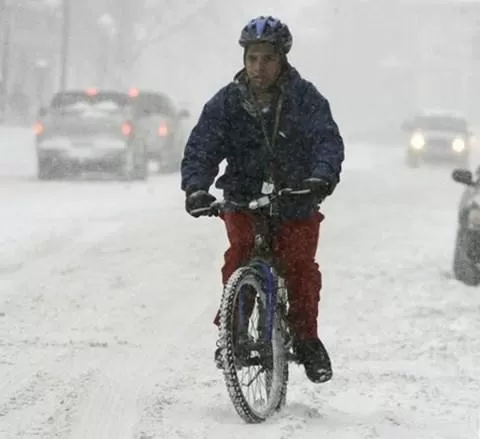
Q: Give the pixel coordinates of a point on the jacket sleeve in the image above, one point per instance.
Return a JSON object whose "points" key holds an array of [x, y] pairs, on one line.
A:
{"points": [[205, 147], [323, 133]]}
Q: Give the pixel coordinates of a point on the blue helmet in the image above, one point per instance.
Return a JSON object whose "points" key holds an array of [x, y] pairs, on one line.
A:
{"points": [[267, 29]]}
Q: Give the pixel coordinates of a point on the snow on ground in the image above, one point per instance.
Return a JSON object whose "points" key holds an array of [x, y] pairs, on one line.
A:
{"points": [[107, 292]]}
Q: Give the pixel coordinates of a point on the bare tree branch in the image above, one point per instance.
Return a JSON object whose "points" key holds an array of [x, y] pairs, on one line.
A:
{"points": [[168, 31]]}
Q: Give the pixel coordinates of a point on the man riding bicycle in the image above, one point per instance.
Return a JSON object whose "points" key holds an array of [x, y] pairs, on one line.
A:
{"points": [[275, 130]]}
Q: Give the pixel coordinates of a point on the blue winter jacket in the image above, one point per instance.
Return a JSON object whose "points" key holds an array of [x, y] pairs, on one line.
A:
{"points": [[308, 144]]}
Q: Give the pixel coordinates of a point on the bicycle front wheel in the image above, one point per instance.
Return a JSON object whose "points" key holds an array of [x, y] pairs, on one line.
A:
{"points": [[253, 346]]}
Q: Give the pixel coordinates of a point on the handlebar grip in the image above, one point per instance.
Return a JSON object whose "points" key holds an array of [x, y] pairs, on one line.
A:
{"points": [[261, 202], [288, 191], [200, 211]]}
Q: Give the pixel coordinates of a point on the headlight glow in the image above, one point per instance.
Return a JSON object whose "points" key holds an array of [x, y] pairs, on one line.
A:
{"points": [[458, 145], [417, 141]]}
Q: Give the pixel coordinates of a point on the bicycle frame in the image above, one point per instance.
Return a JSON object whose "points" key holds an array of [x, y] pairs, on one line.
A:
{"points": [[263, 260], [266, 223], [263, 255]]}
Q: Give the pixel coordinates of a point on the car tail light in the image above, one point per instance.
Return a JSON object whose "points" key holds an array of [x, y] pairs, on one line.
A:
{"points": [[127, 128], [133, 92], [91, 91], [163, 130], [38, 128]]}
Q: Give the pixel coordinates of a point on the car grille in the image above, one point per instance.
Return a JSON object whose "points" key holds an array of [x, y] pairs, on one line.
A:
{"points": [[439, 143]]}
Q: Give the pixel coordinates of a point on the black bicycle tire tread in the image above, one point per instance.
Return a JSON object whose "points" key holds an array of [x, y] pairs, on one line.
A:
{"points": [[229, 370]]}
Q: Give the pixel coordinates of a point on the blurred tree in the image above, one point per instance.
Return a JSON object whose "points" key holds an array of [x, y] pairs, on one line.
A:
{"points": [[109, 36]]}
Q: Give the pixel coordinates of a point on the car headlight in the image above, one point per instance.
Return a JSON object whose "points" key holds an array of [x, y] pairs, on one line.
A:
{"points": [[417, 141], [458, 144]]}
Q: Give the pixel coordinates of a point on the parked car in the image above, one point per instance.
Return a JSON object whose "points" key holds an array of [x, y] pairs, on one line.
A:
{"points": [[89, 130], [466, 259], [437, 137], [160, 124], [119, 131]]}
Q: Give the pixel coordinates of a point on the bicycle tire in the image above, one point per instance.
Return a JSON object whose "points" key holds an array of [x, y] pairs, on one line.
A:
{"points": [[278, 376]]}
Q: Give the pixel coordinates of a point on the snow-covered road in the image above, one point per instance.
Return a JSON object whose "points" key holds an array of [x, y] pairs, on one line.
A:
{"points": [[107, 292]]}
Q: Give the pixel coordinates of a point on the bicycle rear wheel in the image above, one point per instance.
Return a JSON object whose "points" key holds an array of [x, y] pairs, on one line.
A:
{"points": [[254, 355]]}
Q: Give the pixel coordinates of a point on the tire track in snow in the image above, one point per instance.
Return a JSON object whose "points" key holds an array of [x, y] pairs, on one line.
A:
{"points": [[39, 399], [125, 385], [58, 245], [132, 387]]}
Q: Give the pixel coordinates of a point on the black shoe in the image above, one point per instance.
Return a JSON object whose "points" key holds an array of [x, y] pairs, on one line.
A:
{"points": [[314, 357]]}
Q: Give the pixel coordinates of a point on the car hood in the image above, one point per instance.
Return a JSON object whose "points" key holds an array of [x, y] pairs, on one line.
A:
{"points": [[441, 134]]}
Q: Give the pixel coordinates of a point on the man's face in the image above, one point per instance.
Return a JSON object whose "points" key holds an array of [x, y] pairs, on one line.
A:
{"points": [[263, 65]]}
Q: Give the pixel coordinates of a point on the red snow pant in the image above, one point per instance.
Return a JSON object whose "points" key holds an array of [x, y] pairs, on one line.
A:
{"points": [[295, 246]]}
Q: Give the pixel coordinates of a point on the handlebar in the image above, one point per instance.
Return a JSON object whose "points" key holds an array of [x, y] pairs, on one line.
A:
{"points": [[263, 201]]}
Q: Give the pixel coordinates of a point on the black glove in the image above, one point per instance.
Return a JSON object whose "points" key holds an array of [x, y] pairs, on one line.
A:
{"points": [[320, 188], [198, 203]]}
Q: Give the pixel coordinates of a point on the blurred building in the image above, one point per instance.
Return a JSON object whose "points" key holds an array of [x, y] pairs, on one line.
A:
{"points": [[29, 50]]}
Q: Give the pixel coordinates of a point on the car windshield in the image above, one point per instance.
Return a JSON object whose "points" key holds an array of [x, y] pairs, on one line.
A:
{"points": [[152, 103], [82, 104], [442, 123]]}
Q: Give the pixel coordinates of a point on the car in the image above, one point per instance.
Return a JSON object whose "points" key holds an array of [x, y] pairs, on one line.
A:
{"points": [[120, 131], [437, 137], [466, 259], [161, 127], [89, 130]]}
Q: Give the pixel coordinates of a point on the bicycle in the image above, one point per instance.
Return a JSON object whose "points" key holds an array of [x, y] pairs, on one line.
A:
{"points": [[258, 285]]}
